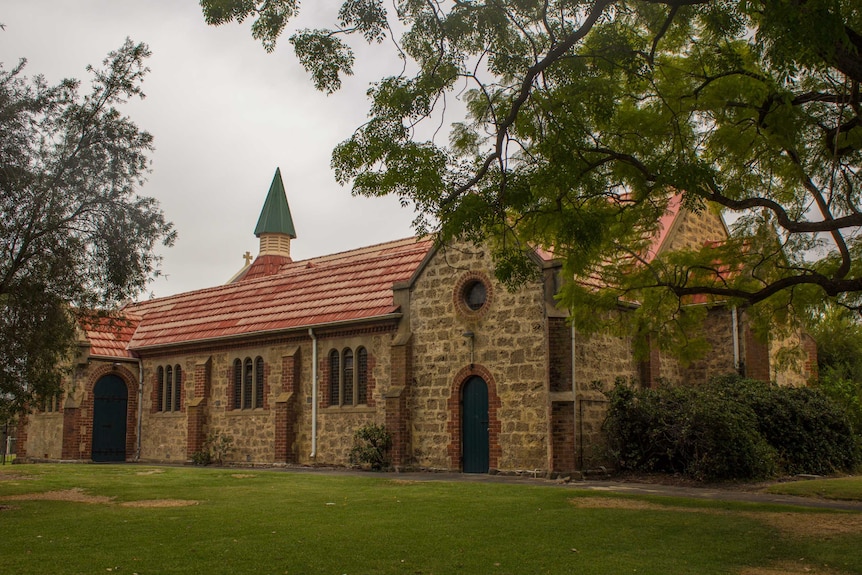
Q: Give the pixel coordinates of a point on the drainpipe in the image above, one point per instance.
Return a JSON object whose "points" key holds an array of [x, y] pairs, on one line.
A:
{"points": [[734, 318], [313, 393], [140, 407]]}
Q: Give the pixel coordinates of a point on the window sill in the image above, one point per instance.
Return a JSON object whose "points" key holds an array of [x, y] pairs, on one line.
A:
{"points": [[349, 409], [241, 412]]}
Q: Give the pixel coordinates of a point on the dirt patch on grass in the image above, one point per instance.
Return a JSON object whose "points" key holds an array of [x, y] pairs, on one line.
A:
{"points": [[618, 503], [7, 507], [150, 472], [243, 475], [404, 482], [814, 525], [15, 477], [77, 495], [819, 525], [790, 569], [160, 503]]}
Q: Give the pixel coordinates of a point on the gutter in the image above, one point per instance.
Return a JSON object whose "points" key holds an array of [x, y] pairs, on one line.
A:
{"points": [[258, 334]]}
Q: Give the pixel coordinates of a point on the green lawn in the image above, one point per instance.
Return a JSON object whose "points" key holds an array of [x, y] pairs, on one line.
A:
{"points": [[266, 522], [845, 488]]}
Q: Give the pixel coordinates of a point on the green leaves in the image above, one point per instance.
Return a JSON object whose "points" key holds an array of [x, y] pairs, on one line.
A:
{"points": [[575, 122], [272, 16], [324, 56], [74, 233]]}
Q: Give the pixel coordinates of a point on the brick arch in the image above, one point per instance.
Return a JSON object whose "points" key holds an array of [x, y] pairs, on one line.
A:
{"points": [[454, 406], [86, 410]]}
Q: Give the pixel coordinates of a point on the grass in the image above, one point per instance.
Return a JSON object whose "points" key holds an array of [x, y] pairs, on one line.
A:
{"points": [[253, 521], [845, 488]]}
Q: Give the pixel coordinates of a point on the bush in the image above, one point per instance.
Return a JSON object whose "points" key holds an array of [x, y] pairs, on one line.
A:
{"points": [[845, 392], [684, 430], [809, 431], [215, 448], [371, 444], [732, 428]]}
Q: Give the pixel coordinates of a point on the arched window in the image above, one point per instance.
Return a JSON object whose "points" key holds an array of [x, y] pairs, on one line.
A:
{"points": [[237, 384], [248, 383], [178, 387], [160, 389], [334, 378], [258, 382], [169, 386], [362, 376], [348, 377], [247, 377]]}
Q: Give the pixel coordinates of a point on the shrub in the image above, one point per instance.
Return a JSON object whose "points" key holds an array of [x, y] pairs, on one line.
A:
{"points": [[371, 444], [809, 431], [845, 392], [202, 458], [732, 428], [214, 450], [684, 430]]}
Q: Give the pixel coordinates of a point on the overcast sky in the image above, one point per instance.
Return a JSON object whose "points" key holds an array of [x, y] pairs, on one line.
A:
{"points": [[224, 115]]}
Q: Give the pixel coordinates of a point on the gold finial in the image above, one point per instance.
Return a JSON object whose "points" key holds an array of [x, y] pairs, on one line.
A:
{"points": [[247, 257]]}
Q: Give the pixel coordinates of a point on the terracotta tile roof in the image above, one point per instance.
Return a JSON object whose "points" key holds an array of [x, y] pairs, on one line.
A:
{"points": [[265, 265], [109, 336], [351, 285]]}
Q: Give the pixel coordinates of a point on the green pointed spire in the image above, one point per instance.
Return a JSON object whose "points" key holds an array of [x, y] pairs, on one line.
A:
{"points": [[275, 215]]}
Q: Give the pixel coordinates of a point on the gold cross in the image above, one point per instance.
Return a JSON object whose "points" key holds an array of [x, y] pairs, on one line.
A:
{"points": [[247, 257]]}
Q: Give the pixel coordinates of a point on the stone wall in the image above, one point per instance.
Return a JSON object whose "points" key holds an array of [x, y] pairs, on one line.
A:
{"points": [[67, 434], [281, 430], [718, 331], [44, 438], [507, 348], [694, 230], [337, 424]]}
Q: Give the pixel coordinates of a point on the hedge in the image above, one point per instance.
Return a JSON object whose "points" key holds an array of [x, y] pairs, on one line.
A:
{"points": [[730, 428]]}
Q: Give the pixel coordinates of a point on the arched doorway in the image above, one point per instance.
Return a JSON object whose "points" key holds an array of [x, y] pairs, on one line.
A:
{"points": [[110, 400], [475, 444]]}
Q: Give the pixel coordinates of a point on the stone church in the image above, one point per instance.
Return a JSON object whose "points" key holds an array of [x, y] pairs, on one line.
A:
{"points": [[289, 358]]}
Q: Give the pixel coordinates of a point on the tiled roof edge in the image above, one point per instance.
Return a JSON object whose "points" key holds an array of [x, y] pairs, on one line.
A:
{"points": [[263, 333]]}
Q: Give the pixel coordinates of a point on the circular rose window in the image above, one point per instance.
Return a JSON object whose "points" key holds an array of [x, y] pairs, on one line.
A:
{"points": [[473, 294]]}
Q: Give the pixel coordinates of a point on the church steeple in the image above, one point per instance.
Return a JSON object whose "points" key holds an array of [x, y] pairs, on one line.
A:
{"points": [[275, 225]]}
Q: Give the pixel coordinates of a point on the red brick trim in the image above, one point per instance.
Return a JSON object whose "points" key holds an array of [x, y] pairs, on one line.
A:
{"points": [[86, 410], [255, 342], [756, 356], [454, 425], [21, 437]]}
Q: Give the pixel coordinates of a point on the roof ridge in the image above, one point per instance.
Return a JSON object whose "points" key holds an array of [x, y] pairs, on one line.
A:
{"points": [[293, 266], [418, 239]]}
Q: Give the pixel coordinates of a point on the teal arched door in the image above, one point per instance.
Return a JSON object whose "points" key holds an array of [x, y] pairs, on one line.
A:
{"points": [[475, 444], [110, 400]]}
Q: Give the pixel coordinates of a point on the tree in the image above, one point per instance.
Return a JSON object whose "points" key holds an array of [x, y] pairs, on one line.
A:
{"points": [[838, 333], [74, 235], [584, 117]]}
